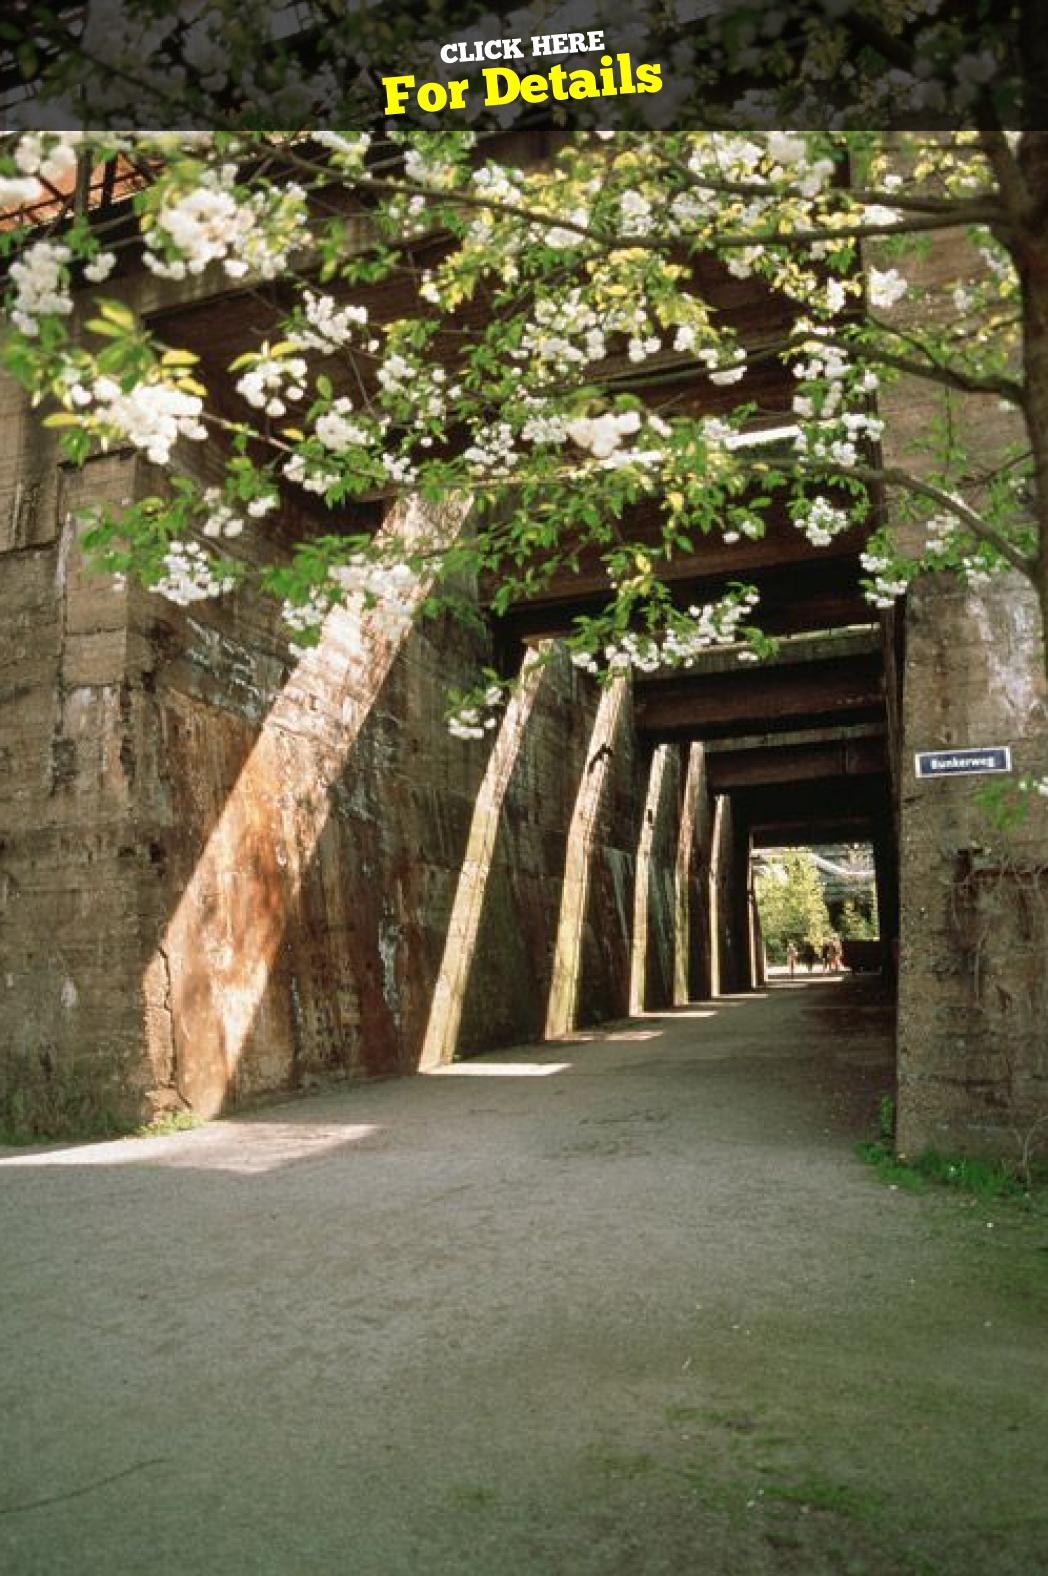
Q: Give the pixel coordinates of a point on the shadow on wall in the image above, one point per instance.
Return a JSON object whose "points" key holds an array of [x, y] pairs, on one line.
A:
{"points": [[246, 910], [337, 918]]}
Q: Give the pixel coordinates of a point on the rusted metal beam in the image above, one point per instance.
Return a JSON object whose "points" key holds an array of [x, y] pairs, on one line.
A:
{"points": [[825, 829], [778, 699], [794, 599], [790, 811], [830, 734], [709, 558], [735, 769]]}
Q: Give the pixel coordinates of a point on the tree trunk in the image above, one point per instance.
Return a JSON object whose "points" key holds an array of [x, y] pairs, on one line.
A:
{"points": [[1031, 256]]}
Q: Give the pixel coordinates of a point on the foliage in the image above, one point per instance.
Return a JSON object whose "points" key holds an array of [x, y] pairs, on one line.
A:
{"points": [[554, 349], [989, 1181], [852, 63], [791, 904], [169, 1122], [857, 923], [1005, 805]]}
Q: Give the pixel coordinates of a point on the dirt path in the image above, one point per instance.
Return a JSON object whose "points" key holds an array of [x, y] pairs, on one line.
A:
{"points": [[628, 1305]]}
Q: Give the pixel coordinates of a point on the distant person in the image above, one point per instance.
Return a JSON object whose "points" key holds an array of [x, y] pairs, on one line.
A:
{"points": [[838, 954], [826, 954], [808, 955], [791, 957]]}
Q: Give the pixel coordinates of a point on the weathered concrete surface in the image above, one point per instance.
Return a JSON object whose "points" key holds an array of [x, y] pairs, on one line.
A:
{"points": [[973, 1014], [223, 870], [660, 900], [311, 819], [729, 923], [70, 944], [226, 871], [624, 1305], [699, 952], [973, 986], [560, 777]]}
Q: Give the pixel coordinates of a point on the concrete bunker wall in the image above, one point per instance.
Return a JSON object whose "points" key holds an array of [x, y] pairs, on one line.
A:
{"points": [[560, 892], [70, 871], [973, 982], [226, 871]]}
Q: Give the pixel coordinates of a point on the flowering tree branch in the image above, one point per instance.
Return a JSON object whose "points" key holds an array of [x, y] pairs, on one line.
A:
{"points": [[548, 338]]}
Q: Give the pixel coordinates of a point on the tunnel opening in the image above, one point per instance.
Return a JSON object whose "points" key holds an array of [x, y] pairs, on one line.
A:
{"points": [[816, 909], [800, 771]]}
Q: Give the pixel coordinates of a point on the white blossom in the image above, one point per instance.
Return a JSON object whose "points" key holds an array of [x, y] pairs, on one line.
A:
{"points": [[100, 267], [822, 521], [887, 286], [337, 431], [41, 279], [17, 190], [190, 575], [151, 416]]}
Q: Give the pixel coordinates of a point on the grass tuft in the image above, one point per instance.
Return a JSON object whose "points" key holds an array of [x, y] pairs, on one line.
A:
{"points": [[991, 1181], [170, 1122]]}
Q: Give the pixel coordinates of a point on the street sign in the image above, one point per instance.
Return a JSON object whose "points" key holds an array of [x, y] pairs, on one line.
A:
{"points": [[964, 763]]}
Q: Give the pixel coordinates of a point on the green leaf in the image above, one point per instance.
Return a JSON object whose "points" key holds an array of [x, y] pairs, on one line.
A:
{"points": [[28, 60], [97, 325], [116, 312]]}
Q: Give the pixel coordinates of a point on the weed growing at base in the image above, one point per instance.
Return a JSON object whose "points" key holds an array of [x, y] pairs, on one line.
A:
{"points": [[105, 1128], [173, 1122], [989, 1180]]}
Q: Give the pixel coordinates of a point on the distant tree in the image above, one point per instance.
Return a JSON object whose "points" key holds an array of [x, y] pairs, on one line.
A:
{"points": [[859, 921], [791, 904]]}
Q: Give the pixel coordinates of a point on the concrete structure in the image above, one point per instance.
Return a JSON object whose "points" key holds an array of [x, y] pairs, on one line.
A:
{"points": [[225, 871], [973, 975]]}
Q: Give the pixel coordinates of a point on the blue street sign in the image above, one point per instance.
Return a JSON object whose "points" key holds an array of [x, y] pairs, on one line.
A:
{"points": [[964, 762]]}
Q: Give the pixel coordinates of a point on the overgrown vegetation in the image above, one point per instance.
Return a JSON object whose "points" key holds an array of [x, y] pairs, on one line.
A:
{"points": [[43, 1101], [791, 903], [856, 924], [1023, 1180], [549, 317]]}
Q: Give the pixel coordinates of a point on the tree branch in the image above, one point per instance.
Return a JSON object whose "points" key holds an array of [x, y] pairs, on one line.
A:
{"points": [[893, 476], [949, 377], [1005, 166], [975, 214], [970, 211]]}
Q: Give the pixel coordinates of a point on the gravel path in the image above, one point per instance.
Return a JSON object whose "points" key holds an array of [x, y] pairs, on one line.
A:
{"points": [[627, 1304]]}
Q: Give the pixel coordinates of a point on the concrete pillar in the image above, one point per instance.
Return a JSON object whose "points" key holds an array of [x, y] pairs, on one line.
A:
{"points": [[730, 970], [758, 966], [886, 877], [645, 916], [973, 985], [562, 1009], [701, 944], [687, 925], [449, 991]]}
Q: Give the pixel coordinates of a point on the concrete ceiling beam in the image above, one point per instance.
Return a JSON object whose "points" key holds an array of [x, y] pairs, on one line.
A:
{"points": [[844, 691]]}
